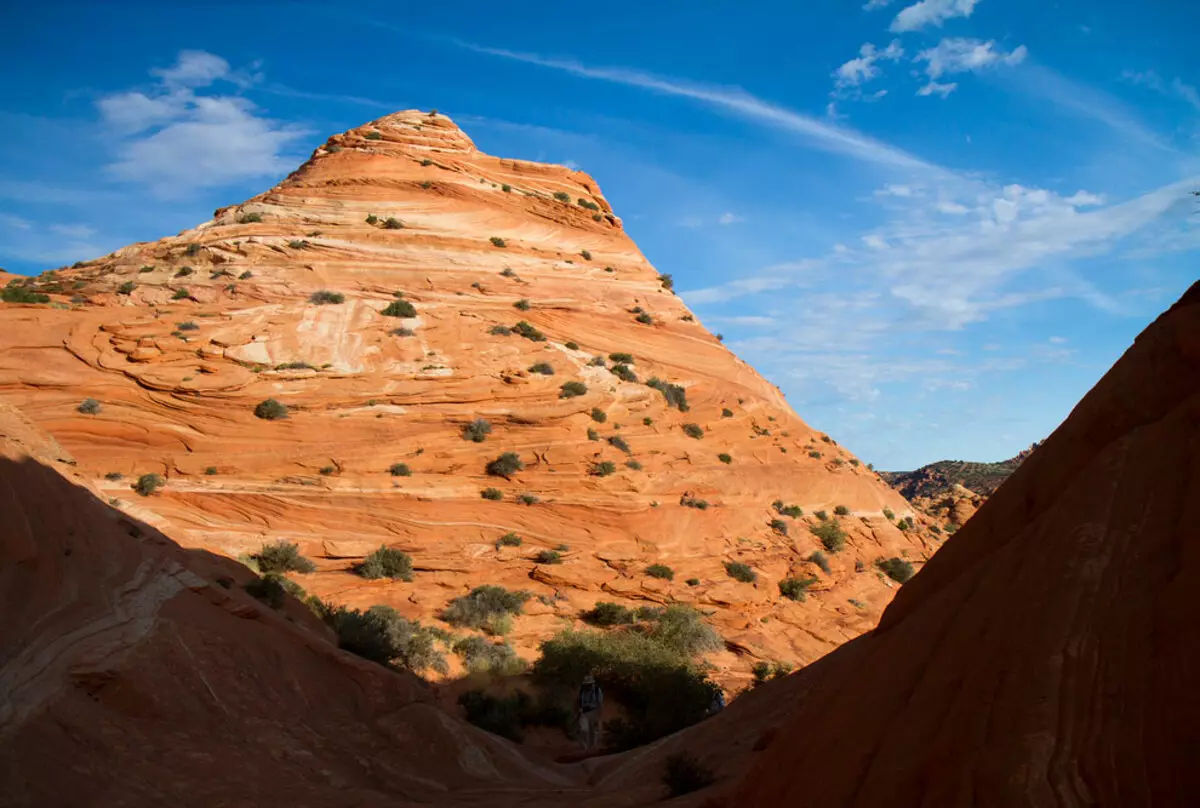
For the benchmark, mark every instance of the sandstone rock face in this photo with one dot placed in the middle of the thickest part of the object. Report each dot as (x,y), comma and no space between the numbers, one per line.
(1047,655)
(178,340)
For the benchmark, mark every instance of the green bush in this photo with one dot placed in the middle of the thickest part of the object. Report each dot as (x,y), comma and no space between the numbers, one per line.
(527,499)
(544,368)
(506,715)
(506,188)
(841,510)
(250,218)
(247,275)
(645,319)
(494,494)
(271,588)
(618,442)
(692,502)
(327,470)
(187,326)
(124,289)
(89,406)
(822,515)
(324,296)
(897,569)
(147,484)
(211,471)
(888,513)
(796,588)
(505,465)
(281,557)
(508,272)
(661,571)
(399,470)
(794,511)
(20,294)
(500,331)
(675,395)
(509,540)
(587,256)
(693,581)
(661,690)
(270,410)
(779,526)
(522,304)
(693,431)
(606,614)
(765,670)
(485,607)
(818,558)
(814,454)
(181,294)
(480,656)
(603,468)
(399,308)
(562,196)
(571,346)
(831,535)
(498,242)
(386,562)
(587,203)
(725,458)
(684,773)
(114,476)
(529,332)
(392,223)
(572,389)
(373,135)
(477,431)
(633,464)
(382,635)
(740,572)
(184,272)
(402,332)
(372,218)
(548,557)
(726,412)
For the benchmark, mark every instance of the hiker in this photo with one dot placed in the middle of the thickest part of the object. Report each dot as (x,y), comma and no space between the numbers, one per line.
(718,702)
(591,700)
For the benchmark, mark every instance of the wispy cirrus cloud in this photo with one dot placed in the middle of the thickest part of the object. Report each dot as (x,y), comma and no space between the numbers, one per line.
(819,133)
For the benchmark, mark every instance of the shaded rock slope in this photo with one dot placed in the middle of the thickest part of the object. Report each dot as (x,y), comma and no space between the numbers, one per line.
(521,279)
(1048,654)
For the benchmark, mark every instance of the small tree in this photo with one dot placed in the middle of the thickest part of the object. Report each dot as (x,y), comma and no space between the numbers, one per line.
(270,410)
(386,562)
(505,465)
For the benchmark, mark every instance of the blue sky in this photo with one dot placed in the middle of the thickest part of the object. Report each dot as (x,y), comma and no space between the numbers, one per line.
(934,224)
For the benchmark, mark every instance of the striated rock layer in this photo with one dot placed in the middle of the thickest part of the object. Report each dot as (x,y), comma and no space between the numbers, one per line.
(178,340)
(1048,655)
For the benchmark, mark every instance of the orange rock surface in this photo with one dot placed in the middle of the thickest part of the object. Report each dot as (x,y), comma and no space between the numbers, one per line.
(219,318)
(1048,654)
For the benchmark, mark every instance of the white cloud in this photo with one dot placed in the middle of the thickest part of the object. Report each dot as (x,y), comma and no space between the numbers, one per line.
(932,12)
(1057,340)
(76,231)
(961,55)
(857,71)
(1081,199)
(952,208)
(874,4)
(1176,87)
(875,241)
(822,134)
(934,88)
(16,222)
(729,218)
(176,140)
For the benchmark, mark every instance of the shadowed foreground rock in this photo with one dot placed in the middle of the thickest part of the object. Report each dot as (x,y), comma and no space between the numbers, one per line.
(1049,654)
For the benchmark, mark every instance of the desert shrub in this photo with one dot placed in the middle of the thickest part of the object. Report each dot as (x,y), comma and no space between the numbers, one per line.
(382,635)
(622,358)
(481,656)
(386,562)
(814,454)
(499,331)
(506,188)
(888,513)
(726,412)
(661,690)
(692,502)
(603,468)
(571,346)
(505,465)
(661,571)
(282,556)
(587,203)
(693,431)
(124,289)
(324,296)
(522,304)
(373,135)
(548,557)
(544,368)
(587,256)
(608,614)
(399,308)
(426,163)
(270,410)
(372,218)
(21,294)
(794,511)
(89,406)
(675,395)
(593,434)
(633,464)
(906,524)
(147,484)
(210,471)
(506,715)
(498,242)
(402,332)
(796,588)
(477,431)
(683,773)
(779,526)
(508,272)
(114,476)
(818,558)
(562,196)
(184,272)
(250,218)
(399,470)
(897,569)
(693,582)
(271,589)
(245,276)
(841,510)
(494,494)
(527,499)
(618,442)
(645,319)
(725,458)
(529,332)
(326,471)
(187,326)
(832,537)
(392,223)
(740,572)
(572,389)
(680,628)
(299,244)
(599,416)
(822,515)
(485,607)
(181,294)
(509,540)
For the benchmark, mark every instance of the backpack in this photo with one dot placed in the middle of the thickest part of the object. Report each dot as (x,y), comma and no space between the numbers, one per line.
(589,698)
